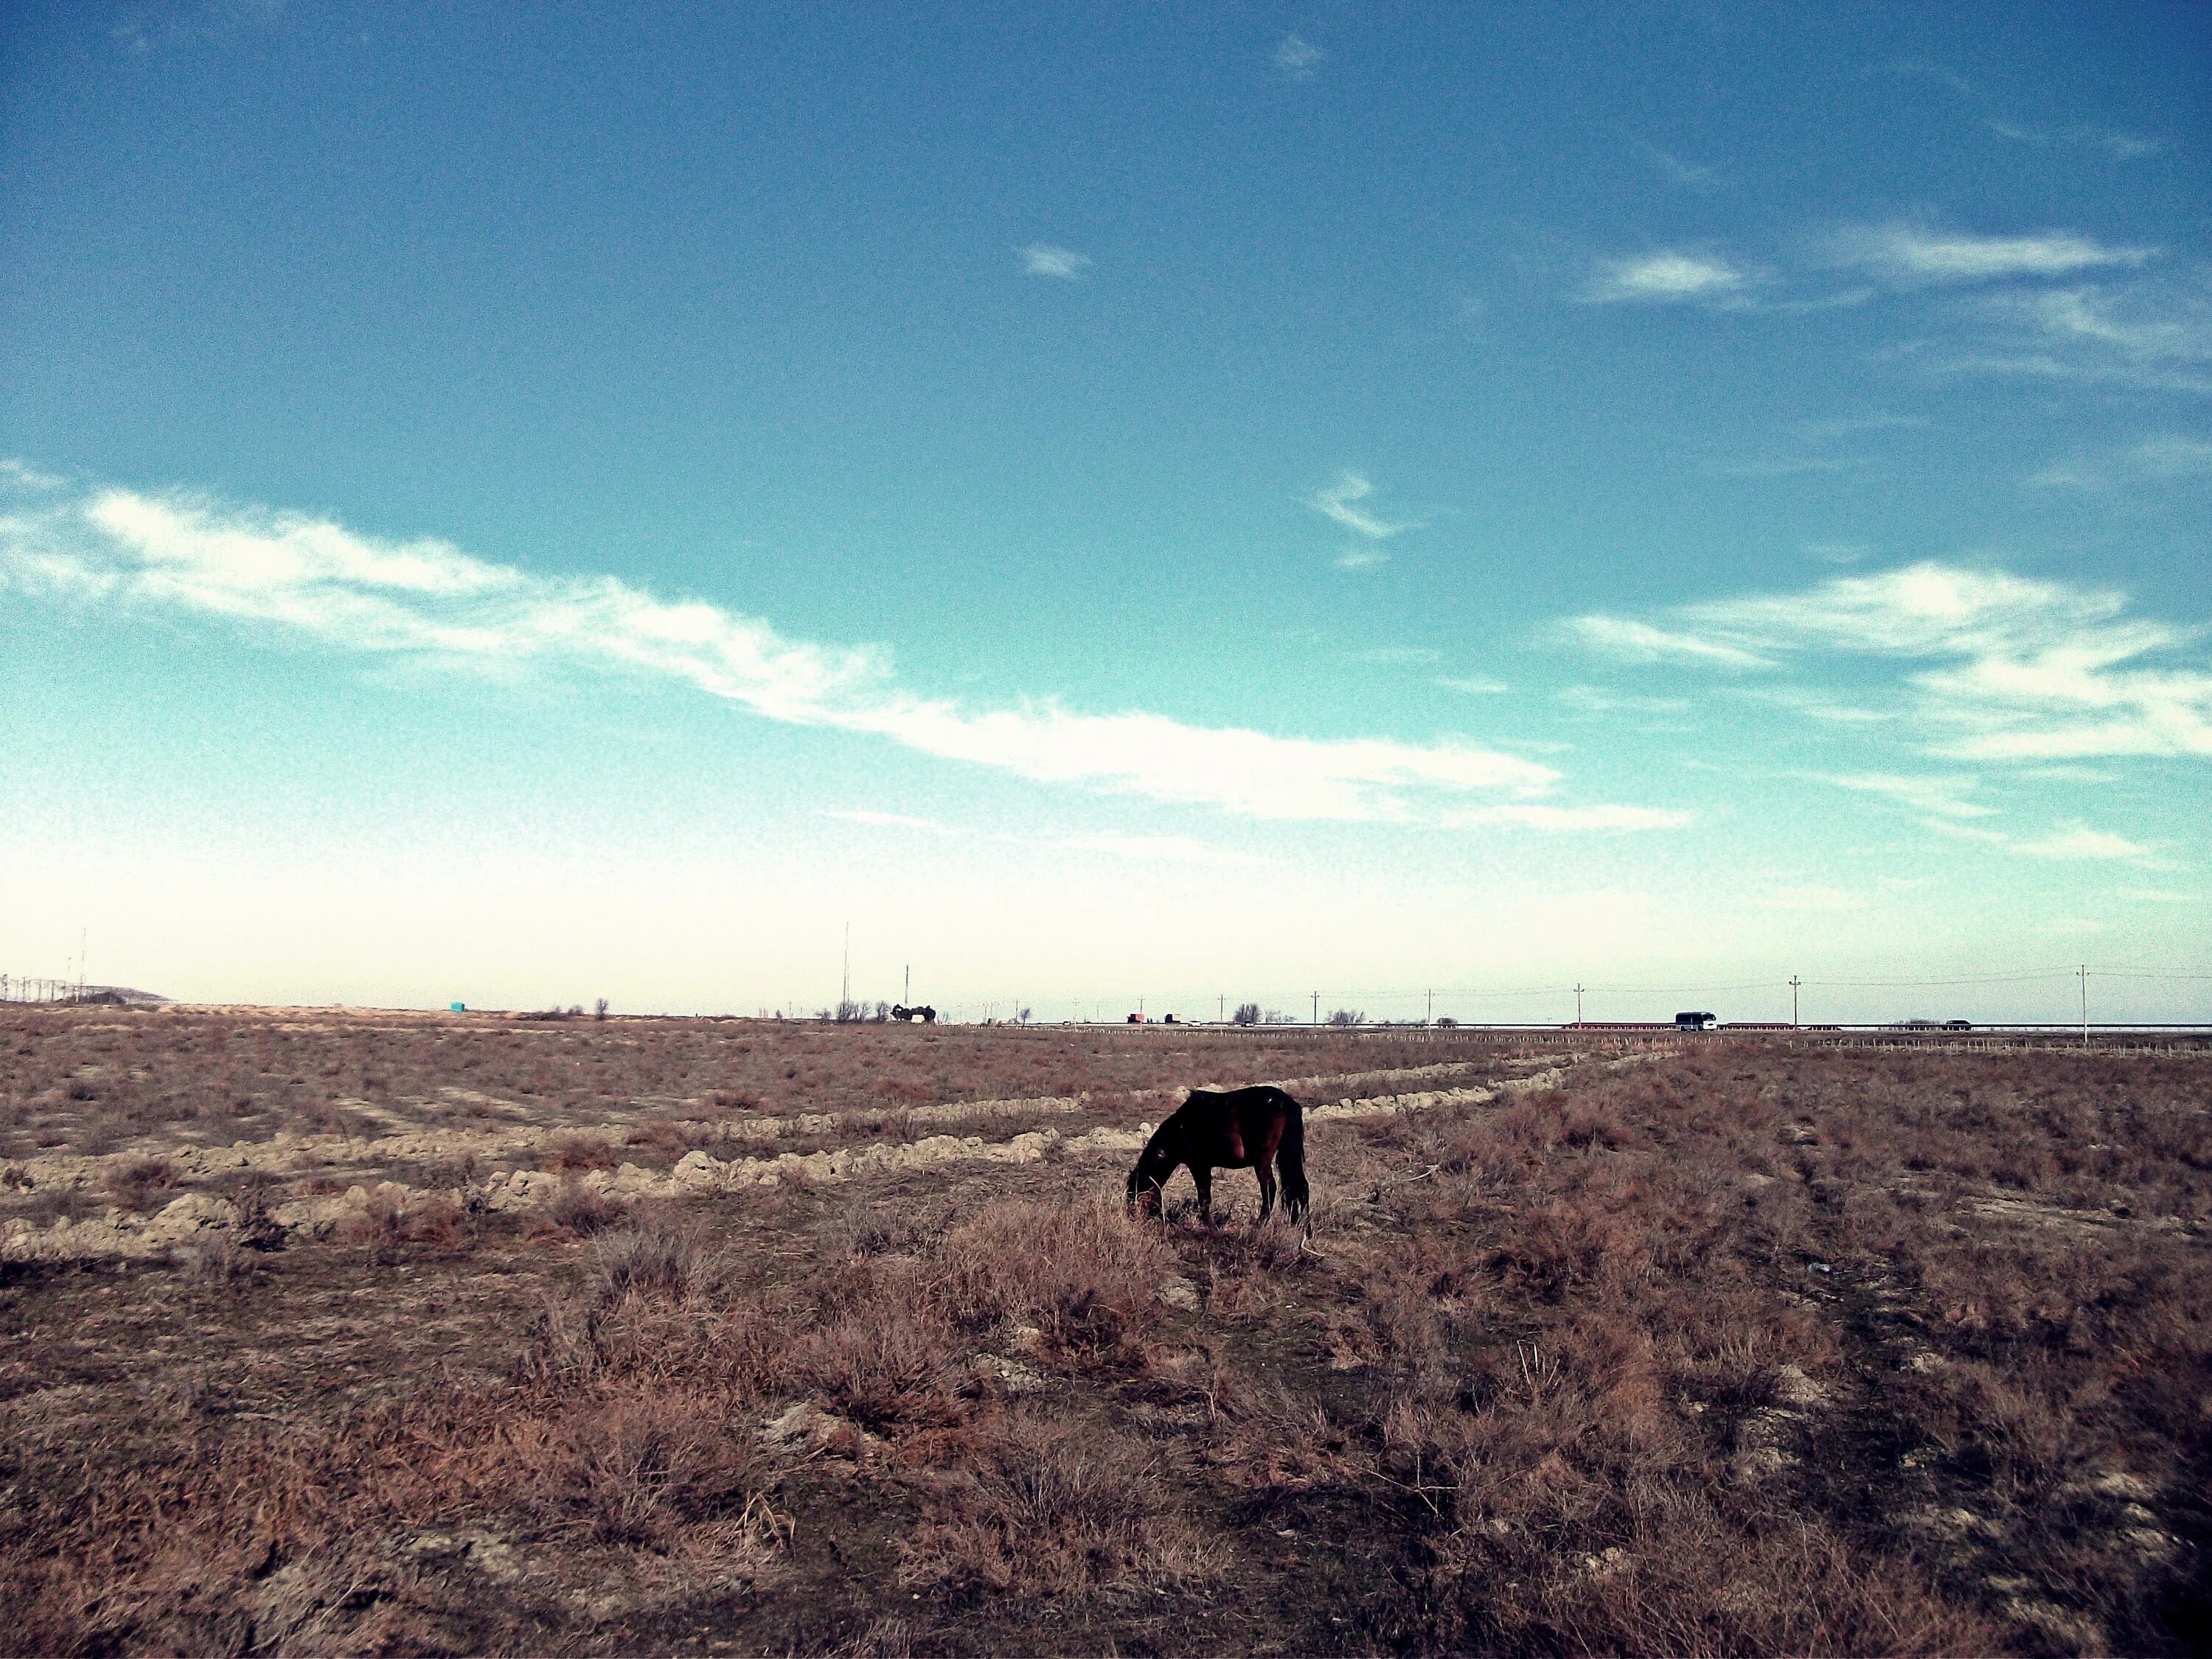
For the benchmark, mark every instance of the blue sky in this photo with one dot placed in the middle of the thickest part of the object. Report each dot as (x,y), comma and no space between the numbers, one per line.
(538,503)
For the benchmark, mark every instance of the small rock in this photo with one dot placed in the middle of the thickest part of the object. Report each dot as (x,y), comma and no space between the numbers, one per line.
(1010,1374)
(697,1171)
(1793,1387)
(190,1214)
(807,1425)
(1179,1292)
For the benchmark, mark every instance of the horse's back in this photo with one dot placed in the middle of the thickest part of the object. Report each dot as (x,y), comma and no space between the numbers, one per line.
(1235,1127)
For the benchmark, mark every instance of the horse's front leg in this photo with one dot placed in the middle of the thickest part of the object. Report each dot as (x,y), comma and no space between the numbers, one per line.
(1201,1176)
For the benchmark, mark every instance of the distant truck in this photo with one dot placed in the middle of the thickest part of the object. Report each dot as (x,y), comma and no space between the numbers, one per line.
(1692,1020)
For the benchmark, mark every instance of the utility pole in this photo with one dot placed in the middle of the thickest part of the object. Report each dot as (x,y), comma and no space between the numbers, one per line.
(2082,974)
(907,995)
(1220,1007)
(1578,1002)
(1793,983)
(1432,1007)
(1316,997)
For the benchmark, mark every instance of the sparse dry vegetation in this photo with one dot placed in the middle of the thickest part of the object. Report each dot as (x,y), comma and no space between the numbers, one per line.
(1732,1347)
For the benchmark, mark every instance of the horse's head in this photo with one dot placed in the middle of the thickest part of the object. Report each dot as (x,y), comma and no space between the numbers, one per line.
(1152,1173)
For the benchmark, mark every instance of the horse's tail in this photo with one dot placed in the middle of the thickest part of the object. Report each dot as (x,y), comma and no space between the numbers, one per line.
(1291,1162)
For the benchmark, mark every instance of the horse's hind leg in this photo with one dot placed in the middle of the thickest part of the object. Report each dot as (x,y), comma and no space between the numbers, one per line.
(1266,1174)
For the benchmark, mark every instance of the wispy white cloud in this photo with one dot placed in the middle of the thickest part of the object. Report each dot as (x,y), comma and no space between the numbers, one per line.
(2009,667)
(2120,146)
(1944,797)
(2147,333)
(1361,558)
(2081,842)
(1814,705)
(1590,700)
(22,476)
(1640,642)
(1673,169)
(1044,259)
(1297,58)
(1839,552)
(2168,456)
(1910,255)
(1668,277)
(1473,685)
(315,580)
(2173,455)
(1341,502)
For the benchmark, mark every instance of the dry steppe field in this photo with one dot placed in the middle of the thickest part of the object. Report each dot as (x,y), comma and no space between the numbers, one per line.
(327,1332)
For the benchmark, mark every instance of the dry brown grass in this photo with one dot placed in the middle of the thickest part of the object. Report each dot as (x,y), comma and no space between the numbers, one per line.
(1056,1509)
(103,1077)
(1751,1349)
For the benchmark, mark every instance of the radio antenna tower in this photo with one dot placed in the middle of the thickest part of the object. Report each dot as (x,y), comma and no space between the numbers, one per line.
(845,989)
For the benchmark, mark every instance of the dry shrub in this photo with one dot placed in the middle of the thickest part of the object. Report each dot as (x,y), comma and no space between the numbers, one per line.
(645,1260)
(889,1362)
(1725,1345)
(663,1134)
(866,1227)
(567,1154)
(141,1184)
(638,1466)
(223,1264)
(383,1226)
(1056,1509)
(584,1210)
(1683,1579)
(1565,1245)
(1082,1272)
(1271,1439)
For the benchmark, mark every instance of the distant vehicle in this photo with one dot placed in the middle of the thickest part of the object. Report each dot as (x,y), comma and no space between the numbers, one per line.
(1957,1025)
(1695,1021)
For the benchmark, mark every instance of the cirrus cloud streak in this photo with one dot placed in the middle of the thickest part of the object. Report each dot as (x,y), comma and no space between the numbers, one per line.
(2009,667)
(314,579)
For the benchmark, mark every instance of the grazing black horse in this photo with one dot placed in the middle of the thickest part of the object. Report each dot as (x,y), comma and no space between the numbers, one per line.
(1261,1128)
(925,1014)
